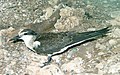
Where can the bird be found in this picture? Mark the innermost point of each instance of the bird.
(52, 44)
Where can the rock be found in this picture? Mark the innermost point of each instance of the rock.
(115, 33)
(1, 39)
(114, 22)
(71, 53)
(87, 74)
(100, 46)
(112, 42)
(70, 18)
(74, 66)
(101, 53)
(115, 14)
(47, 70)
(100, 66)
(4, 33)
(111, 66)
(2, 53)
(114, 68)
(91, 29)
(48, 12)
(53, 2)
(57, 59)
(36, 61)
(66, 12)
(67, 24)
(117, 18)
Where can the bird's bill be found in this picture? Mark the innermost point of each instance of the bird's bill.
(15, 39)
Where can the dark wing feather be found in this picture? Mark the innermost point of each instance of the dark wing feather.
(54, 42)
(89, 35)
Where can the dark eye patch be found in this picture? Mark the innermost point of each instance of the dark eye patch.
(29, 32)
(25, 33)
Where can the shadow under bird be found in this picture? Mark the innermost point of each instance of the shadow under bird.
(53, 44)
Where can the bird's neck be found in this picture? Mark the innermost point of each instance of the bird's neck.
(30, 42)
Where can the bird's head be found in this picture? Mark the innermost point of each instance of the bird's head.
(28, 36)
(24, 35)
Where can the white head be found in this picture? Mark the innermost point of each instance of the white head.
(28, 36)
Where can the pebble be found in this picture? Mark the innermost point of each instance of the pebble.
(74, 66)
(115, 33)
(69, 19)
(48, 12)
(100, 46)
(53, 2)
(109, 66)
(115, 14)
(91, 29)
(112, 42)
(1, 38)
(2, 52)
(66, 12)
(47, 70)
(4, 32)
(67, 24)
(114, 68)
(114, 22)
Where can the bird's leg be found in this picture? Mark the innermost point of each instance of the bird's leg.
(47, 62)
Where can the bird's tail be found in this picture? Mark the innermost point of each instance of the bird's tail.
(91, 35)
(98, 33)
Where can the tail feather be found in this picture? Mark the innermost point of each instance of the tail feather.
(91, 35)
(99, 33)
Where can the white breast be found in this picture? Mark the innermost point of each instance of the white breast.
(28, 40)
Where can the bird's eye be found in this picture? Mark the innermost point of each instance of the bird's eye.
(25, 33)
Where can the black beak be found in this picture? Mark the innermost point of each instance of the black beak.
(15, 39)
